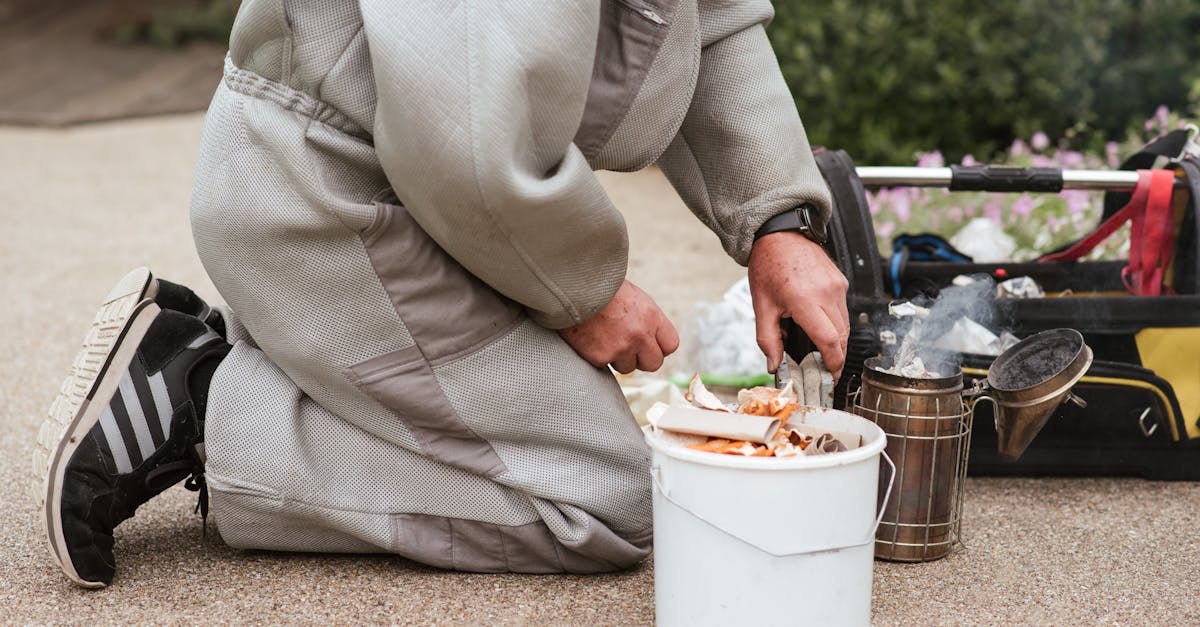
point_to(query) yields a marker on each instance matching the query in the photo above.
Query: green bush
(885, 80)
(175, 24)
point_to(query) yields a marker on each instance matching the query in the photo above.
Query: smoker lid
(1036, 359)
(1030, 380)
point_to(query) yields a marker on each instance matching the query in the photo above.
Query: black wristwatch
(804, 219)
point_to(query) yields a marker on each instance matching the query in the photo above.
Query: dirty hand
(630, 332)
(792, 277)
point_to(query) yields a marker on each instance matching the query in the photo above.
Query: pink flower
(885, 230)
(1110, 153)
(874, 200)
(931, 160)
(1160, 115)
(902, 205)
(954, 214)
(969, 160)
(992, 212)
(1039, 141)
(1024, 206)
(1077, 201)
(1069, 158)
(1017, 149)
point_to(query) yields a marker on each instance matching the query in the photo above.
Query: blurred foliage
(892, 79)
(174, 26)
(886, 80)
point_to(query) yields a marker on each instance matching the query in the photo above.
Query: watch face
(815, 225)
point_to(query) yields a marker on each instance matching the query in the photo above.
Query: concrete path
(79, 207)
(62, 65)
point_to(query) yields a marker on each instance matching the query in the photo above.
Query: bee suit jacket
(398, 202)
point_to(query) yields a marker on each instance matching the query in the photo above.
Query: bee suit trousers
(397, 202)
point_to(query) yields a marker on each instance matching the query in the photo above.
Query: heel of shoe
(111, 342)
(138, 285)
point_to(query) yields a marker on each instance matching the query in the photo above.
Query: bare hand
(792, 277)
(631, 332)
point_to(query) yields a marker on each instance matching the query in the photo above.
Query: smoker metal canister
(928, 429)
(1027, 382)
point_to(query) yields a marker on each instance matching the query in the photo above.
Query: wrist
(781, 240)
(804, 220)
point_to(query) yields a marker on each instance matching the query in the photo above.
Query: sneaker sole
(117, 329)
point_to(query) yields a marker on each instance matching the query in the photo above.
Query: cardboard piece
(849, 440)
(731, 426)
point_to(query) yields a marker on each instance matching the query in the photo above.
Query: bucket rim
(868, 450)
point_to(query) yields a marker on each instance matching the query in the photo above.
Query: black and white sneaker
(126, 425)
(173, 296)
(140, 284)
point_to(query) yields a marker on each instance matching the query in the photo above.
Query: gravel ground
(81, 206)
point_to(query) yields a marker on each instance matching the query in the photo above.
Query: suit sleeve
(741, 156)
(478, 105)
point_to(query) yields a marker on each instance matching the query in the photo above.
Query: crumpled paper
(814, 384)
(913, 369)
(984, 241)
(757, 426)
(1019, 287)
(720, 338)
(968, 336)
(904, 309)
(643, 391)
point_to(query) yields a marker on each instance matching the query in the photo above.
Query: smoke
(975, 300)
(964, 317)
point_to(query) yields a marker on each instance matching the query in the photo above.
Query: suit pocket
(403, 382)
(448, 310)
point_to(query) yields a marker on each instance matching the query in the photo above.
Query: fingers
(650, 357)
(842, 316)
(840, 320)
(831, 297)
(667, 336)
(654, 349)
(824, 334)
(790, 275)
(770, 337)
(626, 362)
(645, 354)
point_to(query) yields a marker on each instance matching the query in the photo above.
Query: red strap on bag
(1152, 237)
(1151, 250)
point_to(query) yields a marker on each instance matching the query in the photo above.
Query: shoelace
(169, 474)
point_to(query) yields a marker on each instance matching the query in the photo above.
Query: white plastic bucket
(763, 540)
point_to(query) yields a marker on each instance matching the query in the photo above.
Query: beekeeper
(426, 282)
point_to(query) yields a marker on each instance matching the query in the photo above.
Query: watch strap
(796, 219)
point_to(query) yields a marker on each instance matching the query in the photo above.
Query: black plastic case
(1134, 423)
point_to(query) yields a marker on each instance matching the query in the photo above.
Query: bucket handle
(870, 536)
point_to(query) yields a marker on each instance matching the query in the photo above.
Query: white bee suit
(397, 201)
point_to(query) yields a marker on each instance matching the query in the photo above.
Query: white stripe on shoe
(162, 401)
(137, 418)
(208, 336)
(116, 444)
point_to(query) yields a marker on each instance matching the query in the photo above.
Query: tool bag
(1143, 389)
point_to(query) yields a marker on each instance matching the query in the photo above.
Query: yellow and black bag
(1143, 389)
